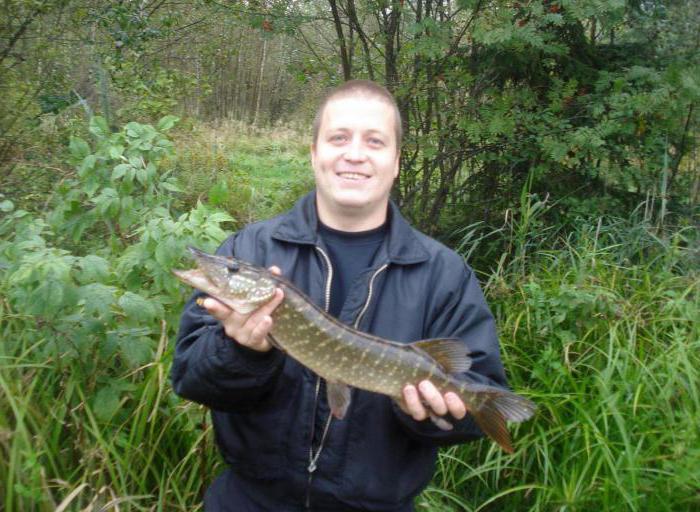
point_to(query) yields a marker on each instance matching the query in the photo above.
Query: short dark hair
(365, 88)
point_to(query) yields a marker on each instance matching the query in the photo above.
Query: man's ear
(398, 164)
(312, 152)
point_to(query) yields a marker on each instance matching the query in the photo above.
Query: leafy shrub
(98, 314)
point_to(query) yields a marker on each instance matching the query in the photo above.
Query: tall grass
(58, 452)
(600, 328)
(253, 173)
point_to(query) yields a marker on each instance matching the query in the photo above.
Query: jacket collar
(300, 226)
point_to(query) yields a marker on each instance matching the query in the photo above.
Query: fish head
(237, 284)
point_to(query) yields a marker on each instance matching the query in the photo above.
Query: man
(348, 248)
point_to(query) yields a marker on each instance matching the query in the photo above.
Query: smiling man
(349, 249)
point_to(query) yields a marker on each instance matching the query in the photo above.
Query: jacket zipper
(313, 457)
(369, 294)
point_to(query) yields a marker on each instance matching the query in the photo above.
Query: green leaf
(120, 170)
(98, 127)
(107, 201)
(141, 176)
(167, 253)
(136, 351)
(87, 165)
(133, 129)
(92, 268)
(116, 151)
(98, 298)
(78, 148)
(170, 186)
(166, 123)
(47, 299)
(218, 193)
(7, 206)
(137, 307)
(105, 404)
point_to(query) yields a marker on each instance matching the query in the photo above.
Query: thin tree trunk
(352, 15)
(260, 83)
(681, 147)
(344, 58)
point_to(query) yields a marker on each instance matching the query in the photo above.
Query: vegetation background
(552, 142)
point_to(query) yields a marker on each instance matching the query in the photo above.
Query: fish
(348, 358)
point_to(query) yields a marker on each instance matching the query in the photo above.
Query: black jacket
(264, 404)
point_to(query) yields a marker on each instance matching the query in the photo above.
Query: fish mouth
(196, 278)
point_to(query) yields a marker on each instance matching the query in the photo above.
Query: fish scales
(347, 357)
(339, 350)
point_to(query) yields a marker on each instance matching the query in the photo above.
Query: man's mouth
(354, 176)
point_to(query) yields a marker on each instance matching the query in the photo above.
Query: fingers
(412, 404)
(420, 402)
(432, 397)
(215, 308)
(455, 405)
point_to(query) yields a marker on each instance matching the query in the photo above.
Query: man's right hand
(249, 330)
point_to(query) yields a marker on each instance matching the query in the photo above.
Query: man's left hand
(420, 401)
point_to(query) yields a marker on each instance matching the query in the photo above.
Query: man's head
(355, 155)
(360, 88)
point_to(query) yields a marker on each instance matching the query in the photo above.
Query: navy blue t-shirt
(351, 253)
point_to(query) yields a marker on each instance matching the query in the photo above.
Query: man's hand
(420, 401)
(249, 330)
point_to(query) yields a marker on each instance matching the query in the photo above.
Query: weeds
(598, 326)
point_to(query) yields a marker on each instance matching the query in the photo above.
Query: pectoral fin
(450, 353)
(338, 398)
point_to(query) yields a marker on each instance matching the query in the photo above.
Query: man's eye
(376, 142)
(337, 138)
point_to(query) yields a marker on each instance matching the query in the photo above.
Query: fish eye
(232, 267)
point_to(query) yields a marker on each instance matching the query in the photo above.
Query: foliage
(528, 126)
(250, 173)
(598, 328)
(93, 324)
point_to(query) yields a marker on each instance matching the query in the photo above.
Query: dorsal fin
(450, 353)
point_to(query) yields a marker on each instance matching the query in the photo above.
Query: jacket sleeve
(464, 315)
(214, 370)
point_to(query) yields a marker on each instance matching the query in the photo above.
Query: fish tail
(497, 407)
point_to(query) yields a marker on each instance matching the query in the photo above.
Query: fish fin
(493, 425)
(450, 353)
(498, 406)
(338, 398)
(441, 423)
(510, 406)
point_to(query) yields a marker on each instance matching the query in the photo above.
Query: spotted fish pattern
(348, 358)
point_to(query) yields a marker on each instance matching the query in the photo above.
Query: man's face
(355, 158)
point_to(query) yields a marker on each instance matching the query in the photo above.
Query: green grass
(598, 326)
(153, 454)
(251, 174)
(609, 350)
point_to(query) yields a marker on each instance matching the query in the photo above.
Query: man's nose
(355, 151)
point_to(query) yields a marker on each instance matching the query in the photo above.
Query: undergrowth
(598, 326)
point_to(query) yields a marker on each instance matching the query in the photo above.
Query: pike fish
(346, 357)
